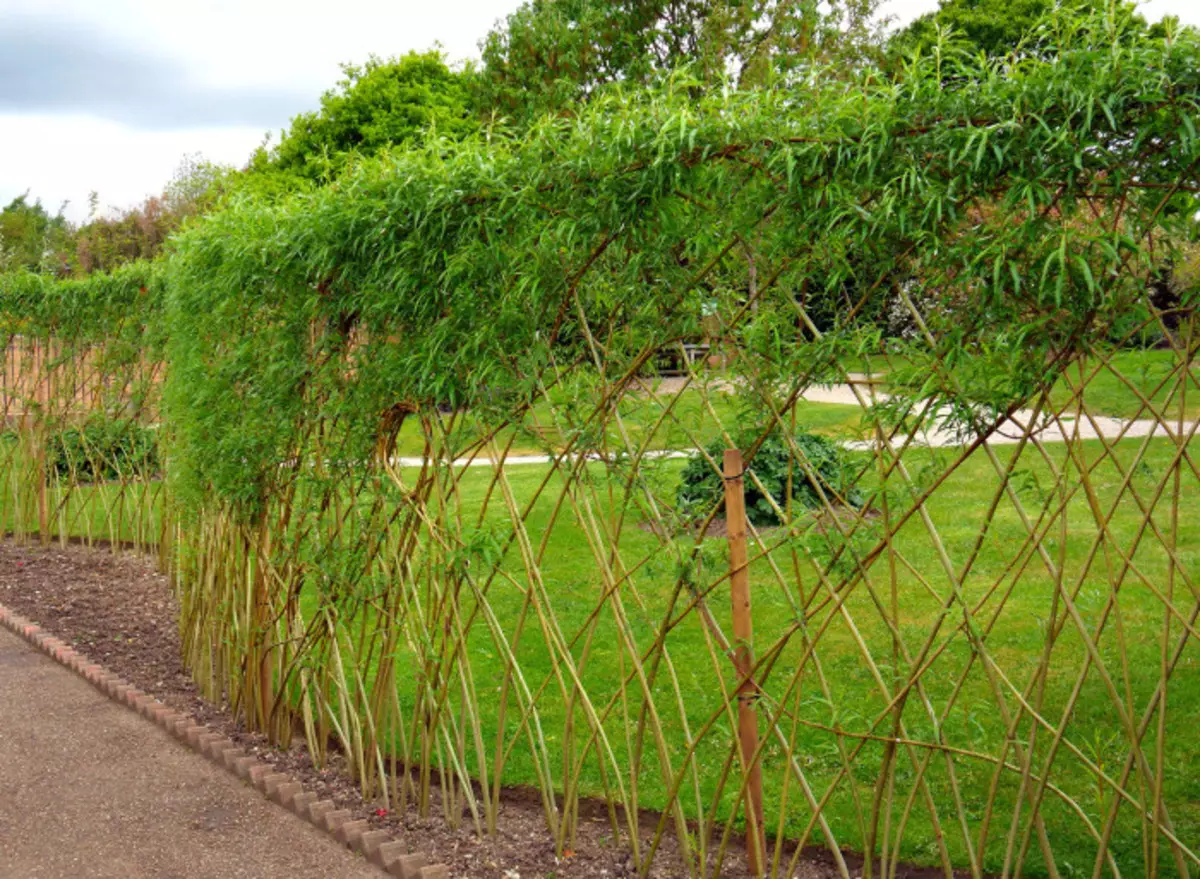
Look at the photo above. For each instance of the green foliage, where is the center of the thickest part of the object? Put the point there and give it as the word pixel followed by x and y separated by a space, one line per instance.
pixel 1002 27
pixel 550 55
pixel 376 106
pixel 450 272
pixel 104 449
pixel 122 309
pixel 31 238
pixel 995 27
pixel 809 473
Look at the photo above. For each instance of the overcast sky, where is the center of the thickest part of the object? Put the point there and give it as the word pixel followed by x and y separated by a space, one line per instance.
pixel 110 96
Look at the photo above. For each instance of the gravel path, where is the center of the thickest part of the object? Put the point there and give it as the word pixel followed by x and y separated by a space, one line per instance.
pixel 89 789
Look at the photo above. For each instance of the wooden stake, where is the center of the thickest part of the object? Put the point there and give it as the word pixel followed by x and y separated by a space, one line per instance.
pixel 41 374
pixel 743 660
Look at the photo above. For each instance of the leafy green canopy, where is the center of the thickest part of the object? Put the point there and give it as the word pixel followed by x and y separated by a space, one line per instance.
pixel 377 105
pixel 551 54
pixel 470 274
pixel 124 304
pixel 30 237
pixel 107 330
pixel 1000 27
pixel 461 276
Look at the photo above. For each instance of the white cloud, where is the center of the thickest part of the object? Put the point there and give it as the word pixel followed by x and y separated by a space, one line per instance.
pixel 266 46
pixel 64 158
pixel 52 66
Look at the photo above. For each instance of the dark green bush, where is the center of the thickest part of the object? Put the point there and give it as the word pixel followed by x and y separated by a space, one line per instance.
pixel 104 449
pixel 701 486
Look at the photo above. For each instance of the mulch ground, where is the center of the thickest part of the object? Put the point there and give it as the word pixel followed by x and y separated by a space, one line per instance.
pixel 120 611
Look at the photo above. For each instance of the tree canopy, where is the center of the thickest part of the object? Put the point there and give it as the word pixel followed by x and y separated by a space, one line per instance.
pixel 375 106
pixel 140 232
pixel 1000 27
pixel 31 238
pixel 461 268
pixel 550 54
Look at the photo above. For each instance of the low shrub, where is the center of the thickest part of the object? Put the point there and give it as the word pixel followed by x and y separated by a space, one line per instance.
pixel 104 449
pixel 702 487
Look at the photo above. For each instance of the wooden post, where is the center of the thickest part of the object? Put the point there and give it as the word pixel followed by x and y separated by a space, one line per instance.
pixel 743 660
pixel 41 372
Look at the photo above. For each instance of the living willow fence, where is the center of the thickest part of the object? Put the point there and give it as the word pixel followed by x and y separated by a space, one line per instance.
pixel 428 502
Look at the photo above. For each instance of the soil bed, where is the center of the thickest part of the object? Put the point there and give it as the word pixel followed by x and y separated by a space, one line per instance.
pixel 121 612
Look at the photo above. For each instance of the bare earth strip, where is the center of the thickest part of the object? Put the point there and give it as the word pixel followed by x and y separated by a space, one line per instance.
pixel 89 789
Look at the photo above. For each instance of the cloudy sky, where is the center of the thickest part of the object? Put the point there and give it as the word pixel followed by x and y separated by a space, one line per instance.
pixel 110 96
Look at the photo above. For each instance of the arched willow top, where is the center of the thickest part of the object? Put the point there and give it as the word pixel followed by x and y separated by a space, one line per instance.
pixel 469 273
pixel 83 310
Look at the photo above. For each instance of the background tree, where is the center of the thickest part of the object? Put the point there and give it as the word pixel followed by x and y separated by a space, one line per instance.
pixel 550 54
pixel 377 105
pixel 30 237
pixel 140 232
pixel 998 27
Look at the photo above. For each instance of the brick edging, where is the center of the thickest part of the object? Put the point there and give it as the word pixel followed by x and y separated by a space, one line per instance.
pixel 378 846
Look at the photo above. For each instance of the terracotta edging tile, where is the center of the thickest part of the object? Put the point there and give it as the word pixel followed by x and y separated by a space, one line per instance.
pixel 377 846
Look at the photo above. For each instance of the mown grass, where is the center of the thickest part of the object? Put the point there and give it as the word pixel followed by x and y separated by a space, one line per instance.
pixel 1116 387
pixel 1119 388
pixel 128 511
pixel 649 421
pixel 1130 647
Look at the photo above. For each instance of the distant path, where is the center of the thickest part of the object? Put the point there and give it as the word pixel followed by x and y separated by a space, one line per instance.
pixel 90 790
pixel 1009 433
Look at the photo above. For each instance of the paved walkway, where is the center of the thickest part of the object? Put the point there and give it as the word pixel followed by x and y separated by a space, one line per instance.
pixel 90 790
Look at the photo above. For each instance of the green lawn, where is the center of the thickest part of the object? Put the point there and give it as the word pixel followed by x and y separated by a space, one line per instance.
pixel 652 422
pixel 1123 387
pixel 1115 387
pixel 852 697
pixel 104 511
